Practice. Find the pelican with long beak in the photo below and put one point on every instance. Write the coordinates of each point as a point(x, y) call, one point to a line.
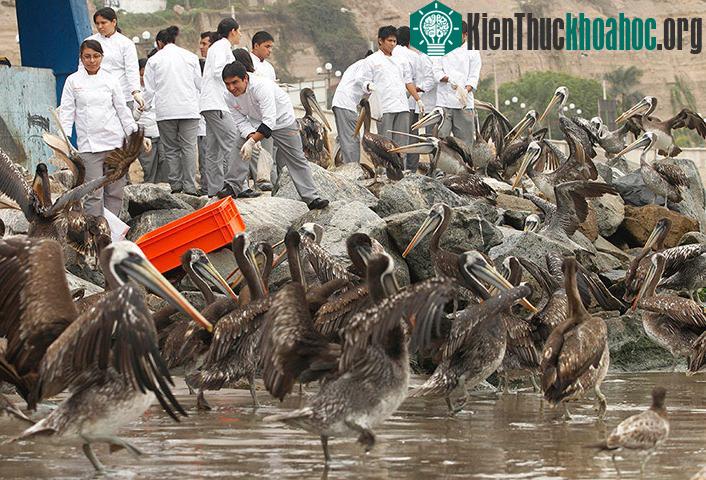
point(378, 148)
point(571, 127)
point(314, 133)
point(534, 150)
point(527, 123)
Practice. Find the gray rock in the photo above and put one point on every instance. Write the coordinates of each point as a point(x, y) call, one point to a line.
point(693, 202)
point(151, 220)
point(415, 192)
point(268, 218)
point(603, 245)
point(352, 171)
point(630, 348)
point(144, 197)
point(468, 230)
point(15, 221)
point(692, 237)
point(78, 282)
point(528, 245)
point(194, 201)
point(341, 219)
point(605, 262)
point(610, 212)
point(223, 260)
point(331, 185)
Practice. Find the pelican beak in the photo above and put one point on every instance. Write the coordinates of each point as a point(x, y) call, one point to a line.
point(389, 284)
point(316, 108)
point(527, 122)
point(487, 273)
point(206, 269)
point(649, 278)
point(530, 156)
point(639, 107)
point(429, 225)
point(652, 239)
point(251, 255)
point(432, 118)
point(420, 147)
point(642, 141)
point(361, 120)
point(142, 271)
point(552, 102)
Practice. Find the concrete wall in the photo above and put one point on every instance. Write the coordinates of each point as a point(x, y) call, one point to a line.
point(138, 6)
point(27, 95)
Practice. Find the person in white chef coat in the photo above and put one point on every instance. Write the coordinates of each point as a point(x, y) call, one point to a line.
point(120, 55)
point(262, 44)
point(154, 167)
point(173, 79)
point(219, 123)
point(93, 102)
point(457, 74)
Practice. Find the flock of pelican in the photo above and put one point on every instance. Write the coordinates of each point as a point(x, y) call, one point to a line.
point(351, 328)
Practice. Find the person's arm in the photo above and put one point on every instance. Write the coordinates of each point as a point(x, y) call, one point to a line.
point(124, 114)
point(132, 67)
point(412, 89)
point(67, 107)
point(438, 70)
point(196, 72)
point(268, 109)
point(367, 76)
point(150, 82)
point(427, 71)
point(223, 58)
point(473, 71)
point(242, 123)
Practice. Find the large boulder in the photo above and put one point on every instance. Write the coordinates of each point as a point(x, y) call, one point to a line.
point(692, 237)
point(630, 348)
point(14, 220)
point(268, 218)
point(152, 220)
point(639, 222)
point(515, 209)
point(76, 282)
point(330, 185)
point(590, 226)
point(469, 230)
point(341, 219)
point(609, 211)
point(195, 202)
point(415, 192)
point(143, 197)
point(533, 247)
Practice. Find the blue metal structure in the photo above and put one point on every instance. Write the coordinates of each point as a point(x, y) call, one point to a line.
point(51, 33)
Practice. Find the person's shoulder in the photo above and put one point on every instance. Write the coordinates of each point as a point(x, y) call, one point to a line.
point(95, 36)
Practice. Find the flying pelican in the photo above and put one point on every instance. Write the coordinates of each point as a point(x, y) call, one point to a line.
point(662, 130)
point(378, 147)
point(314, 133)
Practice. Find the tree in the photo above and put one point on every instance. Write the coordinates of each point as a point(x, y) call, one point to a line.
point(622, 85)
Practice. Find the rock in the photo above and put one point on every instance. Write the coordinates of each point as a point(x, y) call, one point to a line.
point(15, 221)
point(498, 186)
point(153, 219)
point(639, 222)
point(223, 260)
point(78, 282)
point(605, 262)
point(633, 190)
point(630, 348)
point(528, 245)
point(352, 171)
point(343, 218)
point(469, 230)
point(144, 197)
point(603, 245)
point(64, 177)
point(508, 232)
point(609, 211)
point(192, 200)
point(692, 237)
point(268, 218)
point(330, 185)
point(590, 227)
point(415, 192)
point(693, 202)
point(195, 298)
point(513, 202)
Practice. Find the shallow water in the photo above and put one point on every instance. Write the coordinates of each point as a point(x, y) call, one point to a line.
point(514, 436)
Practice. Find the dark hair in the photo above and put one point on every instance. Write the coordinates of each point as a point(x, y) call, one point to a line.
point(387, 31)
point(109, 14)
point(368, 53)
point(92, 44)
point(464, 27)
point(202, 62)
point(403, 36)
point(141, 63)
point(234, 69)
point(225, 26)
point(168, 35)
point(243, 56)
point(212, 36)
point(152, 52)
point(262, 37)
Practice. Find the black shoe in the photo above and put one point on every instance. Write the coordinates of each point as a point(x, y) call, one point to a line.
point(249, 193)
point(264, 186)
point(226, 192)
point(193, 194)
point(318, 204)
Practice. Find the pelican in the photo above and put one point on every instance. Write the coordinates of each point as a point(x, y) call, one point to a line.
point(613, 142)
point(314, 133)
point(469, 184)
point(371, 378)
point(532, 223)
point(107, 358)
point(571, 127)
point(674, 323)
point(661, 178)
point(576, 356)
point(662, 130)
point(378, 147)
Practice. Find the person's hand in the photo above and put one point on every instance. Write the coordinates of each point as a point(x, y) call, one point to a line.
point(137, 96)
point(462, 96)
point(444, 79)
point(420, 104)
point(147, 145)
point(370, 86)
point(246, 149)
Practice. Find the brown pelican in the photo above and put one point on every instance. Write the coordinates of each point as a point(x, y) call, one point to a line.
point(107, 358)
point(645, 431)
point(476, 344)
point(571, 127)
point(314, 133)
point(378, 147)
point(372, 374)
point(576, 356)
point(469, 184)
point(613, 142)
point(674, 323)
point(661, 178)
point(662, 130)
point(532, 223)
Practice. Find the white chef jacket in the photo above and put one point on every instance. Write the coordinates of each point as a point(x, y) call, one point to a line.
point(213, 90)
point(173, 79)
point(263, 103)
point(146, 118)
point(389, 74)
point(351, 88)
point(427, 82)
point(119, 60)
point(96, 105)
point(263, 68)
point(412, 58)
point(462, 66)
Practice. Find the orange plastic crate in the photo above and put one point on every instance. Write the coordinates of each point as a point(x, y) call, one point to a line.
point(208, 228)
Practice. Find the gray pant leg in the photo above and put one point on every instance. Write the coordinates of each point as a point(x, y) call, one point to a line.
point(169, 132)
point(188, 131)
point(150, 162)
point(221, 127)
point(385, 124)
point(345, 125)
point(93, 204)
point(291, 153)
point(162, 166)
point(445, 129)
point(238, 170)
point(463, 125)
point(276, 165)
point(113, 195)
point(399, 122)
point(412, 158)
point(202, 145)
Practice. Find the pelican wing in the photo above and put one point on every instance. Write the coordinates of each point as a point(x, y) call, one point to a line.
point(76, 194)
point(232, 332)
point(672, 173)
point(572, 207)
point(63, 152)
point(14, 185)
point(117, 163)
point(468, 184)
point(688, 119)
point(682, 310)
point(326, 266)
point(335, 314)
point(678, 257)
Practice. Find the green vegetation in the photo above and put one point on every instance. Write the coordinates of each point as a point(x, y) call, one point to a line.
point(622, 83)
point(681, 96)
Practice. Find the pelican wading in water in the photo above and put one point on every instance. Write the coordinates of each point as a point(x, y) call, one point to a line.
point(314, 133)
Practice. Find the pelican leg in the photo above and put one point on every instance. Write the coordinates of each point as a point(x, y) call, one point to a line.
point(615, 464)
point(201, 403)
point(450, 406)
point(251, 381)
point(645, 460)
point(366, 438)
point(88, 451)
point(567, 413)
point(324, 445)
point(602, 403)
point(535, 386)
point(674, 363)
point(117, 443)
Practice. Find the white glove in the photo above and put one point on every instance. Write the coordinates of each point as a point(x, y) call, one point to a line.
point(137, 95)
point(246, 149)
point(147, 145)
point(462, 96)
point(420, 104)
point(370, 86)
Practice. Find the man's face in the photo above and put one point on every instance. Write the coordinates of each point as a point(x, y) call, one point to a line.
point(263, 50)
point(203, 46)
point(387, 45)
point(236, 85)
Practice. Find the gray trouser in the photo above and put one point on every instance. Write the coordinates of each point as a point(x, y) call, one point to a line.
point(399, 122)
point(154, 166)
point(345, 125)
point(223, 134)
point(261, 165)
point(412, 158)
point(179, 142)
point(290, 153)
point(111, 196)
point(460, 122)
point(202, 144)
